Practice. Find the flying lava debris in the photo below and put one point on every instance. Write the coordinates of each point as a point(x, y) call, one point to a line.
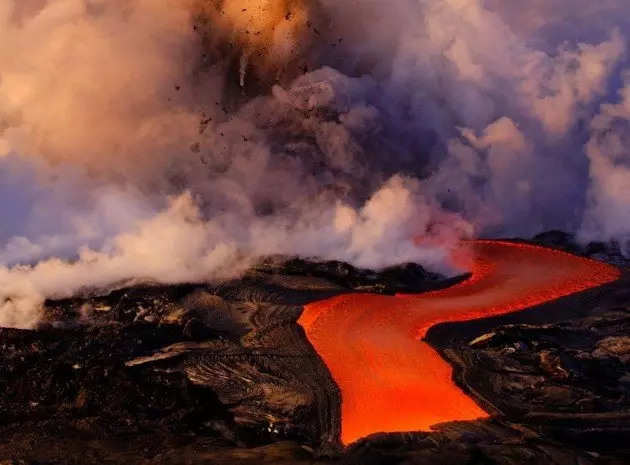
point(390, 380)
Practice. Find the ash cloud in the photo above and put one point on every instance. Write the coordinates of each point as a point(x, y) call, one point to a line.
point(178, 141)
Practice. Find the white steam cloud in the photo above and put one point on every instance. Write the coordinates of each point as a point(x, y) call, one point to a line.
point(128, 151)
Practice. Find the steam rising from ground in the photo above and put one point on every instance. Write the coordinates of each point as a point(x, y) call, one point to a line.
point(129, 152)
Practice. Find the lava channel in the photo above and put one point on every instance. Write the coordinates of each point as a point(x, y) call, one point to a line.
point(390, 380)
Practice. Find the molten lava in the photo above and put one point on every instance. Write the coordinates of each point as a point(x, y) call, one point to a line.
point(392, 381)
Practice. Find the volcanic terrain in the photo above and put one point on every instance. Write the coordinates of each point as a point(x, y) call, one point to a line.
point(178, 176)
point(233, 373)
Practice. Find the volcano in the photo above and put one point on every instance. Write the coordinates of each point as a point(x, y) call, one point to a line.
point(302, 231)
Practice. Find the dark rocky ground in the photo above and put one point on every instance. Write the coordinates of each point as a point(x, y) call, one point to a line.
point(224, 375)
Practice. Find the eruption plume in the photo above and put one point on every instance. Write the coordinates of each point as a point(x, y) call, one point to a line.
point(181, 140)
point(269, 35)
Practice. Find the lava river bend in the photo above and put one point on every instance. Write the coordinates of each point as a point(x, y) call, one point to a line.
point(390, 380)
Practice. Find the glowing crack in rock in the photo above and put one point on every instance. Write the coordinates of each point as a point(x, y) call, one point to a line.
point(392, 381)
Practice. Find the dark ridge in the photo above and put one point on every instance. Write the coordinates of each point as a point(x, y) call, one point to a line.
point(405, 278)
point(610, 252)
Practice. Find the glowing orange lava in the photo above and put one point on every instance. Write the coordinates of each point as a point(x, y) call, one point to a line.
point(389, 379)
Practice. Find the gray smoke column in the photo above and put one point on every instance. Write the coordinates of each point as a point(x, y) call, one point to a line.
point(129, 151)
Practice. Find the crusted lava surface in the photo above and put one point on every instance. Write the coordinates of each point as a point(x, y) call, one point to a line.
point(225, 375)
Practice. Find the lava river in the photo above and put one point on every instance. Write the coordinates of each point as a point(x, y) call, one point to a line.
point(390, 380)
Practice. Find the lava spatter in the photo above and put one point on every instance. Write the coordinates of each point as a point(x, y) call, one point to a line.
point(390, 380)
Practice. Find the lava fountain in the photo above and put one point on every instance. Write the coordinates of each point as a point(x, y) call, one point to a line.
point(390, 380)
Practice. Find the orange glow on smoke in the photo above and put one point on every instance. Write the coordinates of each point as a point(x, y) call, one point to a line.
point(270, 31)
point(392, 381)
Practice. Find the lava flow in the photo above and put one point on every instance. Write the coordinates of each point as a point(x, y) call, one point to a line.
point(392, 381)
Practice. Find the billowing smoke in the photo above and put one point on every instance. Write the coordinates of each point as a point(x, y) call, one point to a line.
point(178, 141)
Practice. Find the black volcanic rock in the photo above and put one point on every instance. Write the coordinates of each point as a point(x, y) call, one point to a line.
point(555, 238)
point(565, 379)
